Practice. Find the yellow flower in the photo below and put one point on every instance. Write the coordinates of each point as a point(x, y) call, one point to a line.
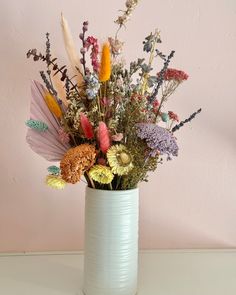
point(52, 104)
point(101, 174)
point(105, 69)
point(120, 159)
point(55, 182)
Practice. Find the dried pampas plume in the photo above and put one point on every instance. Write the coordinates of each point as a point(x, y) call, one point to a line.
point(71, 49)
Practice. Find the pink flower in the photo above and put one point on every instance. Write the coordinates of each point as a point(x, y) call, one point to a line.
point(173, 116)
point(93, 43)
point(63, 136)
point(136, 97)
point(116, 46)
point(156, 103)
point(173, 74)
point(86, 126)
point(117, 137)
point(101, 161)
point(105, 101)
point(103, 137)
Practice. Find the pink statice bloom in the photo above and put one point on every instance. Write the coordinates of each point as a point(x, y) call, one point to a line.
point(173, 74)
point(173, 116)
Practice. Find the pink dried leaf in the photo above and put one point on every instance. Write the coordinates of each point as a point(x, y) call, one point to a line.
point(48, 144)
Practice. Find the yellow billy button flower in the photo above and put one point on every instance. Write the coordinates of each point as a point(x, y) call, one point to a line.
point(105, 68)
point(119, 159)
point(55, 182)
point(52, 104)
point(101, 174)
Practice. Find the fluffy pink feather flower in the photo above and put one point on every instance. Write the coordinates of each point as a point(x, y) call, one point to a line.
point(86, 126)
point(103, 137)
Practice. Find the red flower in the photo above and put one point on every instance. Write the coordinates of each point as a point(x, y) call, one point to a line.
point(101, 161)
point(156, 103)
point(135, 96)
point(173, 116)
point(173, 74)
point(86, 126)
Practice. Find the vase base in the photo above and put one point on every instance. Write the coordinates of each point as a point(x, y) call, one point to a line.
point(95, 294)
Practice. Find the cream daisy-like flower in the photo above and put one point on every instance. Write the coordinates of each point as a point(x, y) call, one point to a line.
point(55, 181)
point(101, 174)
point(120, 159)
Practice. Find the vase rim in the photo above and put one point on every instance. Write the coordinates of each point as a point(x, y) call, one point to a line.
point(113, 191)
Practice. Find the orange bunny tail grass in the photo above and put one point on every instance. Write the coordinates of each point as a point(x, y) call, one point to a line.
point(52, 104)
point(103, 137)
point(86, 126)
point(105, 68)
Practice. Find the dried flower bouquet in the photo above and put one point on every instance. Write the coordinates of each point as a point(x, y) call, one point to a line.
point(106, 122)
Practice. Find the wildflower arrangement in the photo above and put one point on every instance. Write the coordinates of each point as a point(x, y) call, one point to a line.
point(104, 121)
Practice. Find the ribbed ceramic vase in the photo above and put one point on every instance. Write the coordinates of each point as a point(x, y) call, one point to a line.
point(111, 242)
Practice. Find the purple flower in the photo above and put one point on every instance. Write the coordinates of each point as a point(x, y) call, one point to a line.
point(158, 139)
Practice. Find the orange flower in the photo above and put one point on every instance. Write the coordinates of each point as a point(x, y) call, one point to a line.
point(105, 69)
point(76, 161)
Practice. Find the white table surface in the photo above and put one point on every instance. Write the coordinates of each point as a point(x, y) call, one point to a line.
point(190, 272)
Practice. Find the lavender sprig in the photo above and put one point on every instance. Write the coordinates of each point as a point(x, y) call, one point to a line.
point(161, 77)
point(48, 50)
point(48, 83)
point(190, 118)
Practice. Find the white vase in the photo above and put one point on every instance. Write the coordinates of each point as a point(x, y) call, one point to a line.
point(111, 242)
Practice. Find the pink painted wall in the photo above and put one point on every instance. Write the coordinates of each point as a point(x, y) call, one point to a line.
point(189, 202)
